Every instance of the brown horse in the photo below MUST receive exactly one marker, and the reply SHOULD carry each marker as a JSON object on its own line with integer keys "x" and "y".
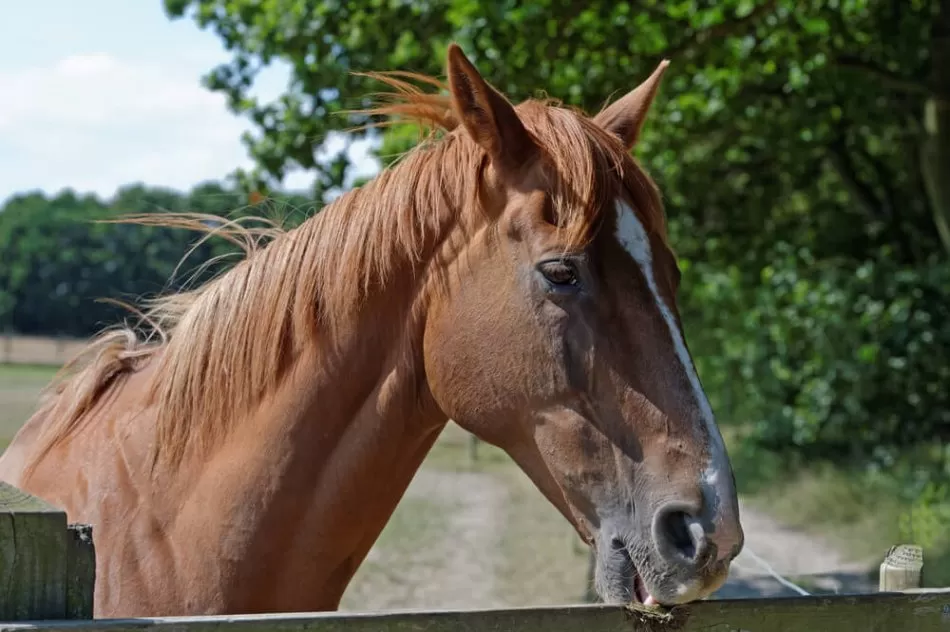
{"x": 512, "y": 275}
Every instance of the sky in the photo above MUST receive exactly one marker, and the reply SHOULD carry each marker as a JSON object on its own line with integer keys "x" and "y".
{"x": 98, "y": 94}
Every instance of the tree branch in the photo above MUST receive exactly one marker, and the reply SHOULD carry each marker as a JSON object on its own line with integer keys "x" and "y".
{"x": 883, "y": 180}
{"x": 890, "y": 79}
{"x": 846, "y": 170}
{"x": 886, "y": 183}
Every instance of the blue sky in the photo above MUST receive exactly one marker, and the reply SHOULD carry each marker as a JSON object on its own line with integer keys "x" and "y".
{"x": 101, "y": 93}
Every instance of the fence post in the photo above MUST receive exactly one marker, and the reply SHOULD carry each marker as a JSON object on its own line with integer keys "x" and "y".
{"x": 80, "y": 572}
{"x": 47, "y": 567}
{"x": 902, "y": 568}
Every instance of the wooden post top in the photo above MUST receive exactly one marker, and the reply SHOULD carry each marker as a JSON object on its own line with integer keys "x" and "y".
{"x": 15, "y": 500}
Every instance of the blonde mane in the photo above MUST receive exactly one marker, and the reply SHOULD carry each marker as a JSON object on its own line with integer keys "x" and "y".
{"x": 216, "y": 350}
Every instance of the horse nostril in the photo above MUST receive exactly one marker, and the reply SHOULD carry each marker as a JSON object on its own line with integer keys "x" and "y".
{"x": 679, "y": 534}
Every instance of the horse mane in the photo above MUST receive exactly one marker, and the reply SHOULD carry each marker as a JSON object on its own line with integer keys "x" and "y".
{"x": 216, "y": 350}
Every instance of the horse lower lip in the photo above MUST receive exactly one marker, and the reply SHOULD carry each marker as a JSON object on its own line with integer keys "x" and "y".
{"x": 638, "y": 588}
{"x": 640, "y": 592}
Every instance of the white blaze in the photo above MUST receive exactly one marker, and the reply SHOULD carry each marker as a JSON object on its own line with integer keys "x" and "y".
{"x": 634, "y": 239}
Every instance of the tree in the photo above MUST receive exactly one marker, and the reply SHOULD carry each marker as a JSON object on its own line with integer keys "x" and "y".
{"x": 802, "y": 147}
{"x": 764, "y": 101}
{"x": 59, "y": 262}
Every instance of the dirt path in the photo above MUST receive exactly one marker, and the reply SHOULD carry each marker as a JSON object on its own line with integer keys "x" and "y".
{"x": 467, "y": 572}
{"x": 792, "y": 554}
{"x": 437, "y": 551}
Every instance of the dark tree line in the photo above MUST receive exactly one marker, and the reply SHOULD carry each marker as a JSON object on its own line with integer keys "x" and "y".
{"x": 59, "y": 261}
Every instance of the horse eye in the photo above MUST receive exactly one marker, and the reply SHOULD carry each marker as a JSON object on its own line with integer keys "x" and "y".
{"x": 560, "y": 273}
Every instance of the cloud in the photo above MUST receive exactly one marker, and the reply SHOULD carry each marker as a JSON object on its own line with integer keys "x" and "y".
{"x": 94, "y": 122}
{"x": 99, "y": 90}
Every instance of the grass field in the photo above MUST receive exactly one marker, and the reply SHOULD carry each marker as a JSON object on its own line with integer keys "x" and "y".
{"x": 20, "y": 387}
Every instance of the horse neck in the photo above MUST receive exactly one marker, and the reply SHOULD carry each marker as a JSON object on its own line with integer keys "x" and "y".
{"x": 317, "y": 469}
{"x": 347, "y": 284}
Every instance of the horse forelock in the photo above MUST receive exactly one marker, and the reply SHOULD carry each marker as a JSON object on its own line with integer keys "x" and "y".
{"x": 226, "y": 344}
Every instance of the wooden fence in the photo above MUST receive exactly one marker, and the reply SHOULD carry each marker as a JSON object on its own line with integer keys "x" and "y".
{"x": 16, "y": 349}
{"x": 864, "y": 613}
{"x": 47, "y": 570}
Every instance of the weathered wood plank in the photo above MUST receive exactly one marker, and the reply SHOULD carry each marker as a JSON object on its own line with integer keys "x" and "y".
{"x": 902, "y": 568}
{"x": 80, "y": 572}
{"x": 33, "y": 561}
{"x": 880, "y": 612}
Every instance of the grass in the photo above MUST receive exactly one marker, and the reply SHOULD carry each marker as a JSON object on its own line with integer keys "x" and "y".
{"x": 20, "y": 387}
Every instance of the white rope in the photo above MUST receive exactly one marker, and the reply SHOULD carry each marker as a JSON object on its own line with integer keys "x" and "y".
{"x": 771, "y": 571}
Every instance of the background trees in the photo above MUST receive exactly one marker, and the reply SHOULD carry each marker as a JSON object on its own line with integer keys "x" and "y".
{"x": 59, "y": 262}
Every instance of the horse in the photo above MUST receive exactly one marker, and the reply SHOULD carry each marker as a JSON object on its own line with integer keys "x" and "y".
{"x": 511, "y": 273}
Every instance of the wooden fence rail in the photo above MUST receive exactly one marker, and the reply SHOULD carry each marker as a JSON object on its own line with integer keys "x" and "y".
{"x": 881, "y": 612}
{"x": 47, "y": 573}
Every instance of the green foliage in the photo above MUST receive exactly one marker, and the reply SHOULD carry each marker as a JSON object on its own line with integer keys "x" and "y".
{"x": 786, "y": 115}
{"x": 59, "y": 263}
{"x": 836, "y": 359}
{"x": 925, "y": 523}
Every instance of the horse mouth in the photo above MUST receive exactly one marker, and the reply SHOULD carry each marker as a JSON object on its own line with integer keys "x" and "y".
{"x": 635, "y": 586}
{"x": 640, "y": 594}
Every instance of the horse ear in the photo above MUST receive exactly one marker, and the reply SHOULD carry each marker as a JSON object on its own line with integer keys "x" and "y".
{"x": 487, "y": 115}
{"x": 625, "y": 116}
